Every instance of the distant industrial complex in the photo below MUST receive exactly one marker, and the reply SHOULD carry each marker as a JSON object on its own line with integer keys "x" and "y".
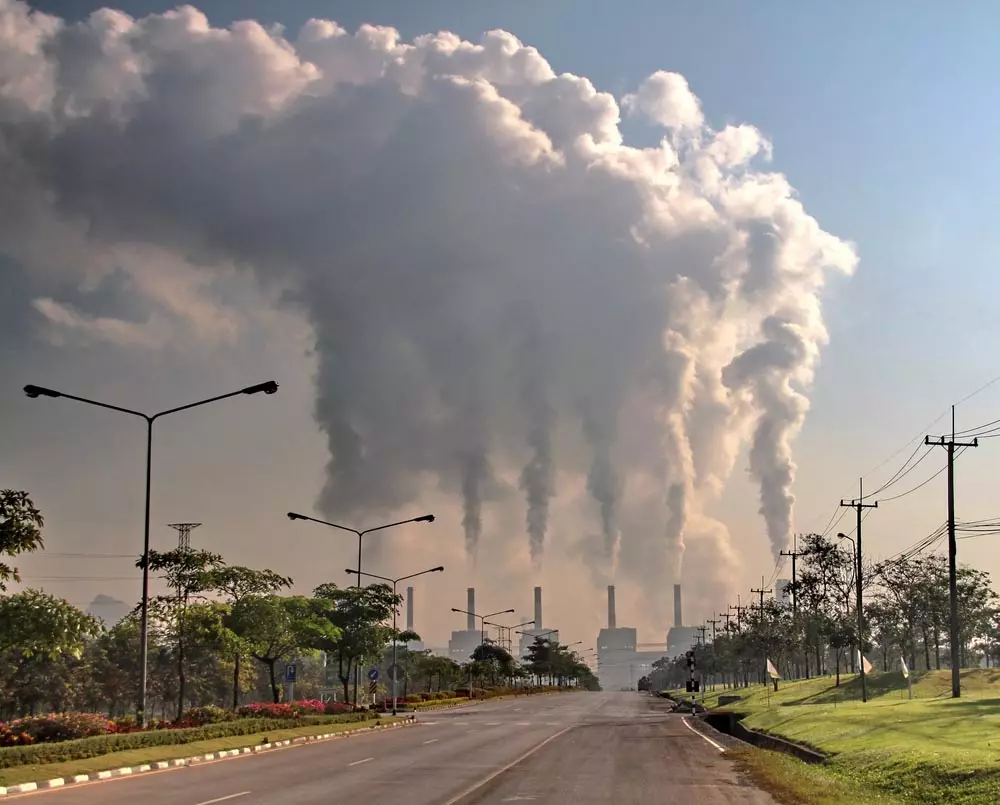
{"x": 621, "y": 659}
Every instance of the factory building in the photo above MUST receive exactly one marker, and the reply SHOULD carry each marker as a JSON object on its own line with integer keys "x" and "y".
{"x": 620, "y": 662}
{"x": 680, "y": 638}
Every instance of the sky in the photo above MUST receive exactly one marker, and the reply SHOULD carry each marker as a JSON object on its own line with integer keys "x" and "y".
{"x": 875, "y": 118}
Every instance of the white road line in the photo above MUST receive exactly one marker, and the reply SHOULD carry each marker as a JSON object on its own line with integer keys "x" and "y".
{"x": 493, "y": 723}
{"x": 431, "y": 741}
{"x": 476, "y": 786}
{"x": 701, "y": 735}
{"x": 223, "y": 799}
{"x": 524, "y": 723}
{"x": 359, "y": 762}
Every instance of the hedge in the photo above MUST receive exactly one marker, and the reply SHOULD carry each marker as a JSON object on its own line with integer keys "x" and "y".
{"x": 97, "y": 745}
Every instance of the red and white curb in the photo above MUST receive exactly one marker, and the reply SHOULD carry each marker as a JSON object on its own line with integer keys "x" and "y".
{"x": 128, "y": 771}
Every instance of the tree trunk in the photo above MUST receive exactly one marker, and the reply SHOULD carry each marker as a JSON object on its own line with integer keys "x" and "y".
{"x": 837, "y": 660}
{"x": 236, "y": 682}
{"x": 273, "y": 674}
{"x": 937, "y": 647}
{"x": 181, "y": 679}
{"x": 927, "y": 646}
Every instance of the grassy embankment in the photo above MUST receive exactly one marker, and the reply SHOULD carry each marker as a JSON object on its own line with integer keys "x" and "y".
{"x": 153, "y": 754}
{"x": 933, "y": 749}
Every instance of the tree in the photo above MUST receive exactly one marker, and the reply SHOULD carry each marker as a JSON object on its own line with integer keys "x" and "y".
{"x": 189, "y": 573}
{"x": 34, "y": 622}
{"x": 360, "y": 615}
{"x": 237, "y": 583}
{"x": 20, "y": 530}
{"x": 276, "y": 628}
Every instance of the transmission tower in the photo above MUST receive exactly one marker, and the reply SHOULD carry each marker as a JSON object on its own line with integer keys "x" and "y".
{"x": 184, "y": 534}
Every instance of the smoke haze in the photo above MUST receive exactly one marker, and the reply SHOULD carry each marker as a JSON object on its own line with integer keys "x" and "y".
{"x": 510, "y": 306}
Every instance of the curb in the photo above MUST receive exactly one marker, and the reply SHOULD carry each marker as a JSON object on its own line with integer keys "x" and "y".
{"x": 129, "y": 771}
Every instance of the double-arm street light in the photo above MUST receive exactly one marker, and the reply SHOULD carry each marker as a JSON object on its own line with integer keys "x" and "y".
{"x": 861, "y": 617}
{"x": 270, "y": 387}
{"x": 393, "y": 671}
{"x": 483, "y": 618}
{"x": 501, "y": 629}
{"x": 424, "y": 518}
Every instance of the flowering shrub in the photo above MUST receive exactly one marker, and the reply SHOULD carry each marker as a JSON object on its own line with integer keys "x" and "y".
{"x": 336, "y": 708}
{"x": 61, "y": 726}
{"x": 199, "y": 716}
{"x": 308, "y": 707}
{"x": 265, "y": 710}
{"x": 9, "y": 737}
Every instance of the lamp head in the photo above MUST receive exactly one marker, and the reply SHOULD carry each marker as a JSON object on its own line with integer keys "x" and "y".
{"x": 427, "y": 518}
{"x": 294, "y": 516}
{"x": 270, "y": 387}
{"x": 38, "y": 391}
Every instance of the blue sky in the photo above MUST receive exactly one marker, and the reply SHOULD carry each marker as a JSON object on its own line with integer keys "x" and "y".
{"x": 883, "y": 121}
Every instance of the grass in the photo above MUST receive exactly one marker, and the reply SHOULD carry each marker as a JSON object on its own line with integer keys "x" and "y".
{"x": 137, "y": 757}
{"x": 933, "y": 749}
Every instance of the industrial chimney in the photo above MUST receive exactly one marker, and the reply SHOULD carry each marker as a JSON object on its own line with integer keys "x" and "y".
{"x": 471, "y": 607}
{"x": 538, "y": 608}
{"x": 611, "y": 607}
{"x": 409, "y": 609}
{"x": 678, "y": 616}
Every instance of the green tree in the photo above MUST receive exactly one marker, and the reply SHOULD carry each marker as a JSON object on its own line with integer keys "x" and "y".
{"x": 236, "y": 584}
{"x": 189, "y": 573}
{"x": 20, "y": 530}
{"x": 360, "y": 615}
{"x": 276, "y": 628}
{"x": 34, "y": 622}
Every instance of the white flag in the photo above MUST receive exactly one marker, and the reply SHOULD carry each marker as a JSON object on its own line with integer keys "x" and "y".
{"x": 906, "y": 671}
{"x": 863, "y": 661}
{"x": 772, "y": 671}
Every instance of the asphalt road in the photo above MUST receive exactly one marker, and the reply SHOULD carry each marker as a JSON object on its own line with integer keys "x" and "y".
{"x": 570, "y": 748}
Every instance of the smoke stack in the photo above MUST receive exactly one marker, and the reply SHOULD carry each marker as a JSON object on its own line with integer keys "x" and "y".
{"x": 409, "y": 609}
{"x": 538, "y": 607}
{"x": 471, "y": 606}
{"x": 611, "y": 607}
{"x": 678, "y": 616}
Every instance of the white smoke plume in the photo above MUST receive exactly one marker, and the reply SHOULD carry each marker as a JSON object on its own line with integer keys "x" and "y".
{"x": 499, "y": 285}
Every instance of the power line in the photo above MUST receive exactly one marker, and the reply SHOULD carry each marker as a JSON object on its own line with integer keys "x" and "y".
{"x": 927, "y": 481}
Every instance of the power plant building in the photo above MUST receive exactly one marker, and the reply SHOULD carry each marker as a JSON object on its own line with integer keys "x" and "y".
{"x": 680, "y": 638}
{"x": 620, "y": 663}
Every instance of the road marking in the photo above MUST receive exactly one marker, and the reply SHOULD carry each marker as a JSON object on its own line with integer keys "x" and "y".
{"x": 701, "y": 735}
{"x": 359, "y": 762}
{"x": 524, "y": 723}
{"x": 493, "y": 723}
{"x": 223, "y": 799}
{"x": 432, "y": 740}
{"x": 489, "y": 778}
{"x": 428, "y": 723}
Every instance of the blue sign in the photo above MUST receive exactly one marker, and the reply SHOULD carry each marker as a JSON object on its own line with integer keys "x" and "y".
{"x": 373, "y": 674}
{"x": 290, "y": 672}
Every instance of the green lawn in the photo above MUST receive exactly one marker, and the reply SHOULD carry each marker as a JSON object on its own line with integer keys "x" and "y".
{"x": 933, "y": 749}
{"x": 137, "y": 757}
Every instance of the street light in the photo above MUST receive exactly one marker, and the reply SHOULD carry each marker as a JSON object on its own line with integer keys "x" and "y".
{"x": 861, "y": 622}
{"x": 438, "y": 569}
{"x": 424, "y": 518}
{"x": 501, "y": 628}
{"x": 483, "y": 618}
{"x": 34, "y": 392}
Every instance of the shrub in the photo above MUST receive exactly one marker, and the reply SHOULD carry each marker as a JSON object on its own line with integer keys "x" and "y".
{"x": 10, "y": 738}
{"x": 413, "y": 698}
{"x": 54, "y": 727}
{"x": 211, "y": 714}
{"x": 336, "y": 708}
{"x": 266, "y": 710}
{"x": 97, "y": 745}
{"x": 308, "y": 707}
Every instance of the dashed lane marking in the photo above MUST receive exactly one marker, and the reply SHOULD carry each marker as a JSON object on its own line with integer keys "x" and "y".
{"x": 359, "y": 762}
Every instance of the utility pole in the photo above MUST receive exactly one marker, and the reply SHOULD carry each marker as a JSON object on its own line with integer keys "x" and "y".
{"x": 858, "y": 505}
{"x": 794, "y": 553}
{"x": 701, "y": 637}
{"x": 739, "y": 614}
{"x": 714, "y": 624}
{"x": 727, "y": 616}
{"x": 954, "y": 633}
{"x": 762, "y": 593}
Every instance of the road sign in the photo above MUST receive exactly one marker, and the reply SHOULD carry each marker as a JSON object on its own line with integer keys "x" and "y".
{"x": 290, "y": 672}
{"x": 395, "y": 672}
{"x": 373, "y": 674}
{"x": 372, "y": 687}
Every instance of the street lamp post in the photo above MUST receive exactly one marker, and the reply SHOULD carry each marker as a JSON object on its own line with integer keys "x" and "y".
{"x": 861, "y": 622}
{"x": 501, "y": 629}
{"x": 482, "y": 618}
{"x": 394, "y": 582}
{"x": 424, "y": 518}
{"x": 270, "y": 387}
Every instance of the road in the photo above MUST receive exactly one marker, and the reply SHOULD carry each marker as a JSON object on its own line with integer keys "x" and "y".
{"x": 581, "y": 748}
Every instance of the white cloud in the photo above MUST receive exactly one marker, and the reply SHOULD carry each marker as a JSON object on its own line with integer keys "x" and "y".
{"x": 502, "y": 291}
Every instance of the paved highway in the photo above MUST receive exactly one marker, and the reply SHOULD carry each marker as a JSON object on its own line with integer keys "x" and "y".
{"x": 570, "y": 748}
